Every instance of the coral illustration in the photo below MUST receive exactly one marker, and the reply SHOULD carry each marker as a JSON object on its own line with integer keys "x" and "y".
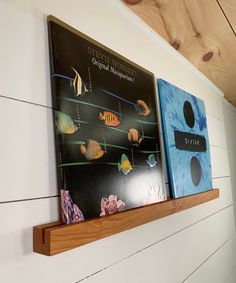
{"x": 70, "y": 211}
{"x": 154, "y": 195}
{"x": 111, "y": 205}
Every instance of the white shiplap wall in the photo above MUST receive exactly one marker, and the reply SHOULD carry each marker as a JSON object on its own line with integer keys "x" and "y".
{"x": 197, "y": 245}
{"x": 230, "y": 130}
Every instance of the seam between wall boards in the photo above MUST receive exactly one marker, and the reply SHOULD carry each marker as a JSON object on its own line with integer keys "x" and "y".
{"x": 153, "y": 244}
{"x": 25, "y": 101}
{"x": 200, "y": 265}
{"x": 221, "y": 177}
{"x": 28, "y": 199}
{"x": 50, "y": 107}
{"x": 229, "y": 105}
{"x": 214, "y": 116}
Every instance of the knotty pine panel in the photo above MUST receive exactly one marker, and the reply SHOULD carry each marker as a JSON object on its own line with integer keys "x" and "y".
{"x": 199, "y": 30}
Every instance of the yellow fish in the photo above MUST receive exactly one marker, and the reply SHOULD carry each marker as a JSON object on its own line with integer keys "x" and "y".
{"x": 78, "y": 84}
{"x": 92, "y": 150}
{"x": 64, "y": 123}
{"x": 124, "y": 166}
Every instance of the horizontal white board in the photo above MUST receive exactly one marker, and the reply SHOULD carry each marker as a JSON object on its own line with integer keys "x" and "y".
{"x": 24, "y": 55}
{"x": 230, "y": 128}
{"x": 218, "y": 267}
{"x": 27, "y": 163}
{"x": 219, "y": 162}
{"x": 216, "y": 131}
{"x": 20, "y": 217}
{"x": 173, "y": 259}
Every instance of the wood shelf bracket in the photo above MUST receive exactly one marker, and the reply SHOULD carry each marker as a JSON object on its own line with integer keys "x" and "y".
{"x": 54, "y": 238}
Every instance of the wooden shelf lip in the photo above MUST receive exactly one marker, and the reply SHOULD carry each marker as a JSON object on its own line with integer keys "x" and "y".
{"x": 54, "y": 238}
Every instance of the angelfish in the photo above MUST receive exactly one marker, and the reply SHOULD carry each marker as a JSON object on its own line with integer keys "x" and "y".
{"x": 78, "y": 84}
{"x": 64, "y": 123}
{"x": 124, "y": 165}
{"x": 142, "y": 108}
{"x": 134, "y": 137}
{"x": 151, "y": 160}
{"x": 109, "y": 118}
{"x": 92, "y": 150}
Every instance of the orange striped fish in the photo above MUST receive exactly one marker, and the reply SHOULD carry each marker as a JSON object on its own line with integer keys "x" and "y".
{"x": 109, "y": 118}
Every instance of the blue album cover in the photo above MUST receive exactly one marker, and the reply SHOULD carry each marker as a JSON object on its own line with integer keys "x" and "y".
{"x": 186, "y": 140}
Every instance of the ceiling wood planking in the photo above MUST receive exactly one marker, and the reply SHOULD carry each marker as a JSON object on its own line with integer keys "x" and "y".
{"x": 200, "y": 31}
{"x": 148, "y": 12}
{"x": 229, "y": 9}
{"x": 215, "y": 36}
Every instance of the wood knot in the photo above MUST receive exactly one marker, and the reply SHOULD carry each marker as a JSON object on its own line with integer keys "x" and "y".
{"x": 207, "y": 57}
{"x": 175, "y": 43}
{"x": 157, "y": 4}
{"x": 132, "y": 2}
{"x": 197, "y": 34}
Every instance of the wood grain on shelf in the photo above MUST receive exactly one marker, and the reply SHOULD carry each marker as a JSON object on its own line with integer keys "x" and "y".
{"x": 54, "y": 238}
{"x": 200, "y": 31}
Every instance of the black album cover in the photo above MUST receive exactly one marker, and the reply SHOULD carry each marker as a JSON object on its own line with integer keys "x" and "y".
{"x": 106, "y": 128}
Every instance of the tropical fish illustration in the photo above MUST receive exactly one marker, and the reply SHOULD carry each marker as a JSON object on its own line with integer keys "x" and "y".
{"x": 111, "y": 205}
{"x": 134, "y": 137}
{"x": 109, "y": 118}
{"x": 124, "y": 166}
{"x": 142, "y": 108}
{"x": 78, "y": 84}
{"x": 64, "y": 123}
{"x": 92, "y": 150}
{"x": 151, "y": 160}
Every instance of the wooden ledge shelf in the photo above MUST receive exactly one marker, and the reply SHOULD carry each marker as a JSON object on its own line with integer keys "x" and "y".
{"x": 55, "y": 238}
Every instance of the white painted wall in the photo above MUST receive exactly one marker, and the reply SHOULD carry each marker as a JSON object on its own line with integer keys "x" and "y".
{"x": 230, "y": 129}
{"x": 196, "y": 245}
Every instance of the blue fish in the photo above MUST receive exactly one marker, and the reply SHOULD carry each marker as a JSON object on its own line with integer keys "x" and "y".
{"x": 64, "y": 123}
{"x": 151, "y": 160}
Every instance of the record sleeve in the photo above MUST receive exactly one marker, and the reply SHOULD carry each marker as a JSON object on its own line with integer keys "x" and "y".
{"x": 186, "y": 140}
{"x": 106, "y": 128}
